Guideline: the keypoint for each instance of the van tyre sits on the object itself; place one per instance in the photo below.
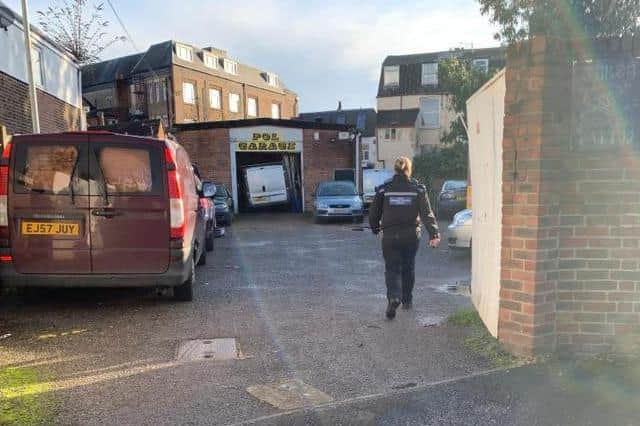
(184, 292)
(202, 260)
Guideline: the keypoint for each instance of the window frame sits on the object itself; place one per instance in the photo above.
(184, 48)
(432, 77)
(219, 91)
(37, 64)
(237, 104)
(485, 67)
(391, 69)
(276, 104)
(273, 79)
(213, 64)
(193, 93)
(255, 100)
(423, 122)
(232, 66)
(394, 134)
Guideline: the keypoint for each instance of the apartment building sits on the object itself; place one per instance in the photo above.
(180, 83)
(413, 111)
(56, 76)
(361, 119)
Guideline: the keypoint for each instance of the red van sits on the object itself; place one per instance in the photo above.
(99, 209)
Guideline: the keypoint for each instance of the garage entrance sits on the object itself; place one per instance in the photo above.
(269, 181)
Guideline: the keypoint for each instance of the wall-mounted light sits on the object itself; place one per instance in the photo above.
(6, 18)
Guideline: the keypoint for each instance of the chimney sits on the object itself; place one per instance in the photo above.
(339, 105)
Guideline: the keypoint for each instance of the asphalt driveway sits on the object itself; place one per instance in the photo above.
(304, 302)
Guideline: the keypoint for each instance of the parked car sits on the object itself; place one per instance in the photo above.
(459, 236)
(224, 205)
(210, 215)
(452, 198)
(265, 185)
(371, 179)
(99, 209)
(337, 199)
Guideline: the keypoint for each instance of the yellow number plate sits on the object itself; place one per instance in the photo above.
(50, 228)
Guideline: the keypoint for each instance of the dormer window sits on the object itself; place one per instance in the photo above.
(430, 74)
(210, 61)
(273, 80)
(230, 66)
(184, 52)
(391, 76)
(481, 65)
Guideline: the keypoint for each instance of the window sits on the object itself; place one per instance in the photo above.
(157, 86)
(275, 110)
(234, 102)
(188, 93)
(184, 52)
(392, 76)
(210, 61)
(164, 90)
(272, 79)
(230, 66)
(49, 169)
(361, 121)
(150, 92)
(316, 136)
(481, 65)
(36, 63)
(387, 134)
(341, 119)
(430, 112)
(393, 134)
(430, 74)
(130, 170)
(365, 152)
(252, 107)
(215, 98)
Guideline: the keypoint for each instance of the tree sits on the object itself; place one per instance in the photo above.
(78, 26)
(521, 19)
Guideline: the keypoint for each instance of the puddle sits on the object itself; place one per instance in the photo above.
(405, 386)
(289, 394)
(255, 244)
(430, 321)
(208, 349)
(460, 288)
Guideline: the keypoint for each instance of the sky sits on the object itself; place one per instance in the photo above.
(326, 51)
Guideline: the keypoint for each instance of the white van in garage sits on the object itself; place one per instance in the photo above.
(265, 185)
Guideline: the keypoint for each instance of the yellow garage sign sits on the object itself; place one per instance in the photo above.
(267, 142)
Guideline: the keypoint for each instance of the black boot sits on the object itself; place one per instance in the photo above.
(391, 308)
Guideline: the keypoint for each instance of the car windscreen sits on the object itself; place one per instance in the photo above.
(454, 185)
(221, 192)
(336, 189)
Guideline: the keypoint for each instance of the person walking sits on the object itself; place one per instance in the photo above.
(400, 208)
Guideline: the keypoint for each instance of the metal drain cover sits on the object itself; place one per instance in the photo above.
(208, 349)
(289, 394)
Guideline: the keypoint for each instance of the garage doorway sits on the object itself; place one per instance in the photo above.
(269, 182)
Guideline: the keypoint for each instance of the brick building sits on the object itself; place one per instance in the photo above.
(56, 75)
(314, 150)
(179, 83)
(413, 110)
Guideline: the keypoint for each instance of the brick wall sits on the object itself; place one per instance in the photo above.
(209, 148)
(201, 110)
(570, 273)
(15, 111)
(321, 158)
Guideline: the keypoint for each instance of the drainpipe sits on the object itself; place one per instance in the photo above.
(33, 94)
(358, 165)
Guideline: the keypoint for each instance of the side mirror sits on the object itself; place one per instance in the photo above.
(209, 189)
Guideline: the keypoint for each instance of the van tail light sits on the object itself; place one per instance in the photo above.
(4, 191)
(176, 205)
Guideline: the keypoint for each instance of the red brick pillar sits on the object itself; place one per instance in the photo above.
(571, 190)
(531, 170)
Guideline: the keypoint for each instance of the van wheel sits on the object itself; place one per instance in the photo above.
(184, 292)
(202, 260)
(208, 243)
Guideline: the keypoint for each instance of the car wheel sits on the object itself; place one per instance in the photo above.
(202, 260)
(184, 292)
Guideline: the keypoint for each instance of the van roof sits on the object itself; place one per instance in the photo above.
(86, 133)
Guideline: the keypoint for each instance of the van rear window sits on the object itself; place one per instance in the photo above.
(129, 170)
(46, 169)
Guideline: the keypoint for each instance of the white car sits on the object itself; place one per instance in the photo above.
(459, 236)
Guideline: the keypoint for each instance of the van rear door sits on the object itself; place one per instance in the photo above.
(49, 204)
(267, 185)
(129, 205)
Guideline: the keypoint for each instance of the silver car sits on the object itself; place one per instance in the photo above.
(337, 199)
(460, 230)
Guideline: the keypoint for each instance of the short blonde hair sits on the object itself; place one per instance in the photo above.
(403, 166)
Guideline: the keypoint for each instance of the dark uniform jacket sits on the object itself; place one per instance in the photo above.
(399, 208)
